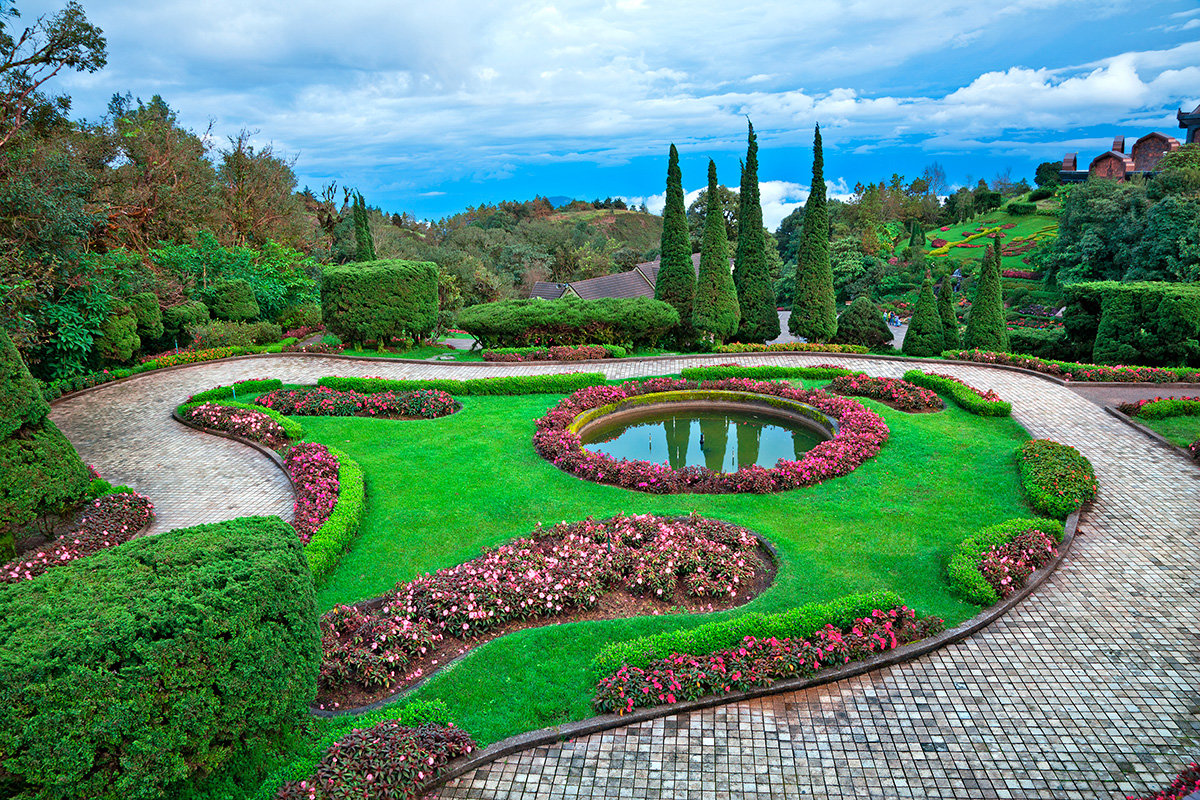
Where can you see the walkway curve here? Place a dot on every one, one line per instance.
(1090, 688)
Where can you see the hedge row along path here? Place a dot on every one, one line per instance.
(1090, 688)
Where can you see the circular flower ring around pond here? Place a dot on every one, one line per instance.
(858, 435)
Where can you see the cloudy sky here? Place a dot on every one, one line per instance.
(429, 107)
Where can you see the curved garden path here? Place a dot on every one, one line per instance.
(1090, 688)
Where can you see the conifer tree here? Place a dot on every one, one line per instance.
(986, 329)
(715, 309)
(676, 281)
(751, 274)
(949, 318)
(925, 336)
(814, 310)
(362, 230)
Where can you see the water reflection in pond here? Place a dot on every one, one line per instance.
(723, 441)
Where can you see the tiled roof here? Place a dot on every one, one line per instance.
(623, 284)
(547, 290)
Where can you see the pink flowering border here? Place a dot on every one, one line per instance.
(860, 435)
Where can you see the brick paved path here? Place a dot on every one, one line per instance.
(1090, 688)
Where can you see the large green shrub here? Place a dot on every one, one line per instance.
(1019, 208)
(21, 401)
(232, 300)
(1152, 323)
(986, 327)
(925, 336)
(949, 316)
(715, 310)
(42, 474)
(380, 300)
(118, 339)
(676, 281)
(149, 315)
(177, 319)
(863, 323)
(1057, 478)
(159, 667)
(814, 310)
(570, 321)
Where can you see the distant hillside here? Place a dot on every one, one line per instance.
(638, 231)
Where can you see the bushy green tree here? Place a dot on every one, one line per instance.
(676, 282)
(814, 311)
(863, 323)
(715, 310)
(751, 277)
(986, 328)
(380, 300)
(149, 315)
(232, 300)
(946, 312)
(118, 339)
(362, 230)
(925, 336)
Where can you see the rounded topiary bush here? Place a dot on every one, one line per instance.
(926, 336)
(232, 300)
(158, 667)
(862, 323)
(149, 315)
(380, 300)
(177, 319)
(118, 339)
(21, 402)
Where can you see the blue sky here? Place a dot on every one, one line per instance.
(431, 107)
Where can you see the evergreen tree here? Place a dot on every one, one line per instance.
(751, 274)
(676, 281)
(863, 323)
(362, 230)
(916, 237)
(986, 328)
(925, 336)
(715, 309)
(946, 312)
(814, 313)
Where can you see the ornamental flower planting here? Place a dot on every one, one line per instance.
(1006, 567)
(757, 662)
(899, 394)
(325, 402)
(860, 435)
(387, 761)
(788, 347)
(587, 352)
(315, 347)
(1057, 478)
(1162, 407)
(1025, 274)
(242, 422)
(552, 572)
(1078, 372)
(111, 520)
(314, 473)
(1186, 783)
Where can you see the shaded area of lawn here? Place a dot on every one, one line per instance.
(439, 491)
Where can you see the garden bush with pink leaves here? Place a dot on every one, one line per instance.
(554, 571)
(326, 402)
(757, 662)
(387, 761)
(891, 391)
(861, 433)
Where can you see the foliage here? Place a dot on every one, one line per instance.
(42, 475)
(789, 347)
(1135, 323)
(177, 319)
(814, 314)
(21, 402)
(676, 281)
(759, 321)
(507, 385)
(522, 323)
(715, 311)
(323, 401)
(176, 656)
(1072, 371)
(898, 394)
(332, 539)
(1057, 478)
(986, 329)
(583, 352)
(819, 372)
(217, 333)
(926, 336)
(964, 568)
(945, 306)
(118, 339)
(149, 315)
(365, 251)
(313, 470)
(1168, 407)
(380, 300)
(985, 404)
(1020, 208)
(303, 315)
(249, 423)
(232, 300)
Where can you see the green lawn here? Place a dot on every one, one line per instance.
(1179, 430)
(439, 491)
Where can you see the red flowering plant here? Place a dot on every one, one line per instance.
(1007, 566)
(314, 474)
(757, 662)
(861, 433)
(242, 422)
(892, 391)
(586, 352)
(325, 402)
(1026, 274)
(1184, 785)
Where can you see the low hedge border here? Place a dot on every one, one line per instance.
(963, 567)
(962, 395)
(331, 541)
(908, 652)
(230, 391)
(563, 383)
(1057, 478)
(790, 347)
(763, 373)
(1154, 435)
(1170, 407)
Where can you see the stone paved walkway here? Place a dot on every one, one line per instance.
(1089, 689)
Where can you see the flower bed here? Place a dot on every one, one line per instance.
(561, 383)
(388, 760)
(325, 402)
(985, 404)
(757, 662)
(860, 435)
(896, 393)
(769, 372)
(1078, 372)
(111, 520)
(553, 572)
(995, 562)
(244, 422)
(1025, 274)
(1184, 785)
(789, 347)
(314, 473)
(316, 347)
(1057, 477)
(1163, 407)
(584, 352)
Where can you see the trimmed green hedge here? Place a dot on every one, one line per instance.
(232, 300)
(762, 373)
(789, 347)
(1171, 407)
(610, 320)
(245, 387)
(960, 394)
(1019, 208)
(21, 400)
(1152, 323)
(42, 474)
(963, 569)
(149, 316)
(1057, 478)
(171, 666)
(507, 385)
(293, 429)
(798, 622)
(331, 541)
(380, 300)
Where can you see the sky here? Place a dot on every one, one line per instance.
(431, 107)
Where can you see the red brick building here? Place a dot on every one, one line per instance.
(1142, 158)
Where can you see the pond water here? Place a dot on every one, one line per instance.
(723, 441)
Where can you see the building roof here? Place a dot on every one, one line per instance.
(637, 282)
(547, 290)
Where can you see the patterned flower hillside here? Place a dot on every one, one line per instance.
(860, 435)
(553, 572)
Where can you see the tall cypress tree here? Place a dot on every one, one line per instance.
(946, 312)
(986, 328)
(362, 230)
(676, 281)
(715, 310)
(925, 336)
(814, 309)
(751, 274)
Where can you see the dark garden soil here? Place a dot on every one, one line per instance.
(614, 604)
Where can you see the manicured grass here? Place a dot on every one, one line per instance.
(1179, 430)
(439, 491)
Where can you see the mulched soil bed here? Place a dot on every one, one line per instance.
(615, 604)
